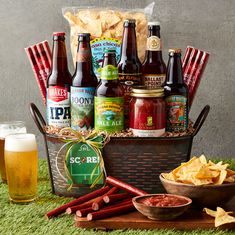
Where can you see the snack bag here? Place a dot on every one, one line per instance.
(106, 27)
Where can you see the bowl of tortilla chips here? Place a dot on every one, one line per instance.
(205, 182)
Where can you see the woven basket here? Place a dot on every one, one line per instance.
(134, 160)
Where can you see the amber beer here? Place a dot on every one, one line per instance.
(21, 158)
(83, 87)
(109, 97)
(7, 128)
(58, 85)
(176, 94)
(129, 66)
(154, 68)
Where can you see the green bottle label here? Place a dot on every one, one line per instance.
(109, 72)
(81, 162)
(109, 115)
(177, 113)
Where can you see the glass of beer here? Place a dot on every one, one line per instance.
(7, 128)
(21, 159)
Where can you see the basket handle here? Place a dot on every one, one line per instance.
(201, 119)
(37, 117)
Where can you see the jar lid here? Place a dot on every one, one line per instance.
(142, 91)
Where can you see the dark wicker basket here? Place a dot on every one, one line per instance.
(137, 161)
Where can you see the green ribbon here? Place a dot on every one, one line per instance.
(72, 137)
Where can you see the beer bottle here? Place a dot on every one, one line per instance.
(154, 68)
(109, 97)
(176, 94)
(129, 66)
(83, 87)
(58, 85)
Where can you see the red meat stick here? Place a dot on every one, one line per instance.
(98, 203)
(41, 67)
(115, 197)
(48, 52)
(127, 187)
(44, 58)
(114, 211)
(77, 201)
(84, 212)
(36, 71)
(73, 209)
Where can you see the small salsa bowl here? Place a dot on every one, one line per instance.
(156, 207)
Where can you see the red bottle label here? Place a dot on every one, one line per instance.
(57, 93)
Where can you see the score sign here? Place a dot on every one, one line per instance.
(81, 162)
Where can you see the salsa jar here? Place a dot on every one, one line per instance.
(147, 112)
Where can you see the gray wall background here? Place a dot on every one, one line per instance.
(205, 24)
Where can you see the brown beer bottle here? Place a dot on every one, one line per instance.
(58, 85)
(109, 97)
(83, 87)
(176, 94)
(154, 68)
(129, 66)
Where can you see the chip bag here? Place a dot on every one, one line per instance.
(106, 27)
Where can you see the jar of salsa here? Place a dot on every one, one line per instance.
(147, 112)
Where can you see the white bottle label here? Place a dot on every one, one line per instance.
(58, 106)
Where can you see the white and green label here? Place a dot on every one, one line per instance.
(83, 165)
(82, 108)
(109, 115)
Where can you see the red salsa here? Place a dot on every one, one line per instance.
(164, 200)
(147, 112)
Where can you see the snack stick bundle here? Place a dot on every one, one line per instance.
(39, 56)
(194, 64)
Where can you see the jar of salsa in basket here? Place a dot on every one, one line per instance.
(147, 112)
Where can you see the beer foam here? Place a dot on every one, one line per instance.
(12, 127)
(20, 143)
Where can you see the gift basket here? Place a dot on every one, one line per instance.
(126, 115)
(135, 160)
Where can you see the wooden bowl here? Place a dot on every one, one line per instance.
(160, 212)
(202, 195)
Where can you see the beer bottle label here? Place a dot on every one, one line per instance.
(82, 108)
(176, 110)
(58, 106)
(98, 45)
(109, 114)
(128, 81)
(154, 80)
(154, 43)
(109, 72)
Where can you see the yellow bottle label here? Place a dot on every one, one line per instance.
(154, 43)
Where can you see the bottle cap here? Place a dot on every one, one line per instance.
(129, 21)
(82, 36)
(154, 23)
(175, 50)
(59, 34)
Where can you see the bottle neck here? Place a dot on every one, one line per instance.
(129, 46)
(174, 73)
(59, 60)
(84, 58)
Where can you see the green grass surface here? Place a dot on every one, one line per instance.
(29, 219)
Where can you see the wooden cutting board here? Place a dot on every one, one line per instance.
(192, 219)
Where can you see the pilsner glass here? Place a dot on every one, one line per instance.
(21, 159)
(7, 128)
